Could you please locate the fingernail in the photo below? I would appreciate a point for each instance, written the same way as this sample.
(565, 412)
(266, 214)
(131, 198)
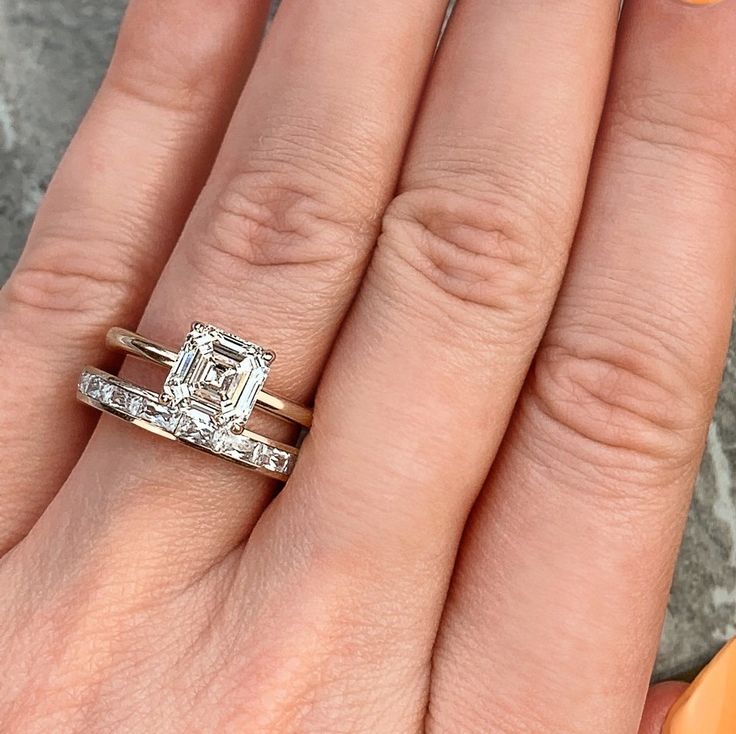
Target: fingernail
(708, 706)
(700, 2)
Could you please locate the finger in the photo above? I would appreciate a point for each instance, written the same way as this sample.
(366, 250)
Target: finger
(567, 559)
(425, 372)
(275, 247)
(660, 700)
(107, 225)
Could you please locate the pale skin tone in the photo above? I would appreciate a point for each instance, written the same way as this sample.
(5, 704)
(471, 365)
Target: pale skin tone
(482, 526)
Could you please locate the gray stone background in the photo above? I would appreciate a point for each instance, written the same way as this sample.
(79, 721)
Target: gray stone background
(52, 54)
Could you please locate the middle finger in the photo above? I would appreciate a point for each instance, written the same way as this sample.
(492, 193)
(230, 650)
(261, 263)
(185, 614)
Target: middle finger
(427, 368)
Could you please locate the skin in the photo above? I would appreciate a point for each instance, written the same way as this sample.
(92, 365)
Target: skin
(504, 273)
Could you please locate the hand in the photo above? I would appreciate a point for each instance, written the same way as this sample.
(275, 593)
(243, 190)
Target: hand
(480, 532)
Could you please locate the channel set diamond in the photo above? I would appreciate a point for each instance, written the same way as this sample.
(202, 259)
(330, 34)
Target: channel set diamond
(194, 426)
(161, 416)
(245, 448)
(130, 400)
(197, 427)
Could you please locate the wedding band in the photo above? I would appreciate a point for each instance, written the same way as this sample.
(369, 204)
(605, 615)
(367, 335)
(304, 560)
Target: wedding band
(214, 383)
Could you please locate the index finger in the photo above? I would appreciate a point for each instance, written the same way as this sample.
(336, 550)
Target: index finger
(107, 226)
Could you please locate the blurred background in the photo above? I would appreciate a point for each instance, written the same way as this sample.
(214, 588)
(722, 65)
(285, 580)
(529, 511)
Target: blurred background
(52, 56)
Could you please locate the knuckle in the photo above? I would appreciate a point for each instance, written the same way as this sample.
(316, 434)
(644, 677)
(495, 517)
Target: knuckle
(617, 401)
(676, 123)
(67, 283)
(342, 169)
(149, 84)
(262, 222)
(168, 67)
(473, 259)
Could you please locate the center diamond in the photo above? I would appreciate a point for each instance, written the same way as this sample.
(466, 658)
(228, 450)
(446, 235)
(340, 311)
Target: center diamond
(217, 375)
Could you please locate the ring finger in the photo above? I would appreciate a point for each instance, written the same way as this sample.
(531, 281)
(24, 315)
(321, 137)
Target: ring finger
(274, 249)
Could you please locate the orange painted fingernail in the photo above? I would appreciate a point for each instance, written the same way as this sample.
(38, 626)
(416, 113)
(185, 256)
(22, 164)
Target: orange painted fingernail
(700, 2)
(708, 706)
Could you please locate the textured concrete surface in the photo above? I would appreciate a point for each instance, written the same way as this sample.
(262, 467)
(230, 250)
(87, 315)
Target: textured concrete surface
(52, 54)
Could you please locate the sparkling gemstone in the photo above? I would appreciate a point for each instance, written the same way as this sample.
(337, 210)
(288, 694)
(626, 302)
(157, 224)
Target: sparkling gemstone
(276, 460)
(256, 453)
(198, 427)
(128, 402)
(84, 383)
(160, 415)
(136, 404)
(218, 374)
(248, 450)
(95, 387)
(224, 441)
(106, 392)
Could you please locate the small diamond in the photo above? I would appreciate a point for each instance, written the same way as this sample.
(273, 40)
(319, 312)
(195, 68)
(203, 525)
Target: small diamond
(118, 397)
(275, 460)
(160, 415)
(84, 382)
(197, 427)
(105, 392)
(128, 402)
(95, 385)
(224, 442)
(257, 452)
(247, 449)
(136, 404)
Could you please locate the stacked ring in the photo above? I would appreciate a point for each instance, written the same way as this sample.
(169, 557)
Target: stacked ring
(215, 382)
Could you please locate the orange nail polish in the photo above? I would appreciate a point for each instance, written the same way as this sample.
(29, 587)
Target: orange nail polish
(708, 706)
(700, 2)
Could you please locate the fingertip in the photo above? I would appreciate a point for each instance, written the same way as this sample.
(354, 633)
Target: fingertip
(708, 706)
(660, 700)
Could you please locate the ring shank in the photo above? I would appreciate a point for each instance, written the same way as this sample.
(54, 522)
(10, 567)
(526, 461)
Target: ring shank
(122, 340)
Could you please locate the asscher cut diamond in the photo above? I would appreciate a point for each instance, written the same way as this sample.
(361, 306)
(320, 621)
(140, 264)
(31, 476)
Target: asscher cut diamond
(217, 375)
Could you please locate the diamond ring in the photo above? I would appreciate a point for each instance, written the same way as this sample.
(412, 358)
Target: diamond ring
(214, 384)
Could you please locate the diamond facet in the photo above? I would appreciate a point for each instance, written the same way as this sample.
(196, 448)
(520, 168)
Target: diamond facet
(198, 427)
(84, 383)
(219, 374)
(128, 402)
(276, 460)
(160, 416)
(91, 385)
(105, 392)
